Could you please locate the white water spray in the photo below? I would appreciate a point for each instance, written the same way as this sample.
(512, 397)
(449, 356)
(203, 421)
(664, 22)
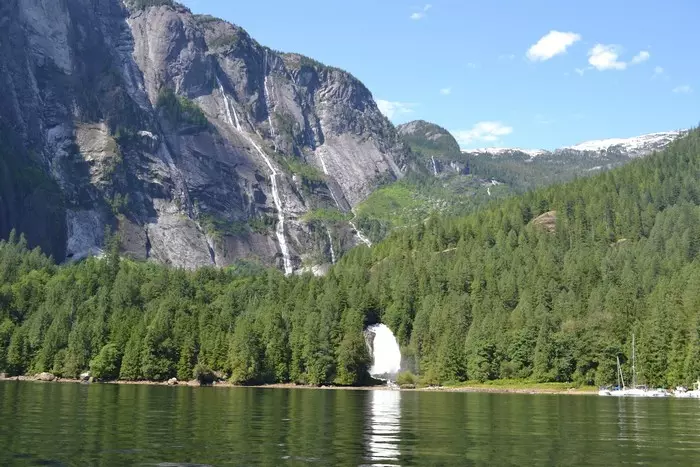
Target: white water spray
(488, 190)
(280, 212)
(330, 242)
(228, 105)
(279, 230)
(360, 235)
(386, 355)
(268, 98)
(434, 166)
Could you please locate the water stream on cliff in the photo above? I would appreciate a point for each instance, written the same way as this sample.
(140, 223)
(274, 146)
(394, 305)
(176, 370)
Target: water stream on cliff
(279, 229)
(268, 99)
(432, 158)
(330, 243)
(359, 234)
(386, 354)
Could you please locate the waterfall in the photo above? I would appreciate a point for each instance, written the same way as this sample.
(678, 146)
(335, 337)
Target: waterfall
(488, 190)
(268, 98)
(228, 105)
(279, 229)
(432, 158)
(384, 427)
(360, 235)
(325, 171)
(280, 212)
(386, 355)
(330, 242)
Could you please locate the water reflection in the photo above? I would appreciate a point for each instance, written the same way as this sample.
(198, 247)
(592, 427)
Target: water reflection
(385, 427)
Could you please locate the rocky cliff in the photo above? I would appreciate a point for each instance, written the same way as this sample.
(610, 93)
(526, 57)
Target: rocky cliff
(197, 144)
(435, 147)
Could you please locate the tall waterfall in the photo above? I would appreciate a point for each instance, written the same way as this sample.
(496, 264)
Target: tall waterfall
(330, 243)
(268, 98)
(386, 354)
(279, 229)
(432, 158)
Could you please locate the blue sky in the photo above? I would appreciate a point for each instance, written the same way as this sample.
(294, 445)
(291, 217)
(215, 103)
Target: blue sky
(517, 73)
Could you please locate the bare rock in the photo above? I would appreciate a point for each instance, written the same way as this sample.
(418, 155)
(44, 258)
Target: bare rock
(546, 221)
(45, 377)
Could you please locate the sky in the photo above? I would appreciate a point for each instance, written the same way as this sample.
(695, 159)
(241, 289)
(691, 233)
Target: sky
(501, 73)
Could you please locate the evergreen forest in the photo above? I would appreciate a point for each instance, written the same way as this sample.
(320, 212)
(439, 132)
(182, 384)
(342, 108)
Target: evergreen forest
(502, 293)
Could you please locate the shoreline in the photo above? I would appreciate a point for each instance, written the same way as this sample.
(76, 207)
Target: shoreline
(524, 388)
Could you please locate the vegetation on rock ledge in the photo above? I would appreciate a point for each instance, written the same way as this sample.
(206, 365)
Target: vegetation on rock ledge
(483, 297)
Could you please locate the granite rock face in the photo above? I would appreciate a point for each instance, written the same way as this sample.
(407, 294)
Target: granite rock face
(182, 133)
(435, 147)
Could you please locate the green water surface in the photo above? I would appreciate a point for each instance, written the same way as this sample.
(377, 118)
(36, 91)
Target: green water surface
(74, 424)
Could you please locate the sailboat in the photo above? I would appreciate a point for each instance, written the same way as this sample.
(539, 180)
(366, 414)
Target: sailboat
(635, 390)
(683, 392)
(617, 390)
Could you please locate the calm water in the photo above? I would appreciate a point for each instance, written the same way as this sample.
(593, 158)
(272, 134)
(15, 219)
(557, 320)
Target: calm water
(72, 424)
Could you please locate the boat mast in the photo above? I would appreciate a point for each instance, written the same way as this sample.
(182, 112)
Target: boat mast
(620, 376)
(634, 370)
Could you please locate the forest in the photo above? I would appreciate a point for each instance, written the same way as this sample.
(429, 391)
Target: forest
(486, 296)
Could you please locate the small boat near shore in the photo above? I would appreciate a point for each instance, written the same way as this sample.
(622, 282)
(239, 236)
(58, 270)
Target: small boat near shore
(635, 390)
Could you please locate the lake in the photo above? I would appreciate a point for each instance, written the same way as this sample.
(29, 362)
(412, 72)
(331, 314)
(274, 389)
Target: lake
(74, 424)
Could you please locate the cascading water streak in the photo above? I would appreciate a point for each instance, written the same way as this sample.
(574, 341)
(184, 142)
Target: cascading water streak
(288, 269)
(360, 235)
(268, 99)
(386, 354)
(434, 165)
(330, 243)
(277, 199)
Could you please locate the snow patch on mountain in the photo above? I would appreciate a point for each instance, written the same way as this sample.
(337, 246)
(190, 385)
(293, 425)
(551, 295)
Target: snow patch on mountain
(638, 145)
(506, 151)
(631, 147)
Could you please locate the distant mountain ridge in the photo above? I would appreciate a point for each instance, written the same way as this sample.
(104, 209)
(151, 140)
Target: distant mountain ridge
(637, 146)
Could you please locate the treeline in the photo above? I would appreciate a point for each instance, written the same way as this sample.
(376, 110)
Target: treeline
(487, 296)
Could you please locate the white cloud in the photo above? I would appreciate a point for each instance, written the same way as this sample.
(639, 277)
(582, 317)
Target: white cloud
(446, 91)
(421, 14)
(506, 57)
(683, 89)
(552, 44)
(482, 132)
(472, 65)
(580, 71)
(642, 56)
(659, 72)
(605, 57)
(394, 109)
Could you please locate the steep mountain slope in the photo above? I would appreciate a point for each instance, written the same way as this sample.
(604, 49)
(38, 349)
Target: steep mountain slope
(196, 143)
(546, 286)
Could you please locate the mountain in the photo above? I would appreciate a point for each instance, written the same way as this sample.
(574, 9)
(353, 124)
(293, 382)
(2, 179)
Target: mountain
(546, 286)
(530, 168)
(195, 143)
(434, 146)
